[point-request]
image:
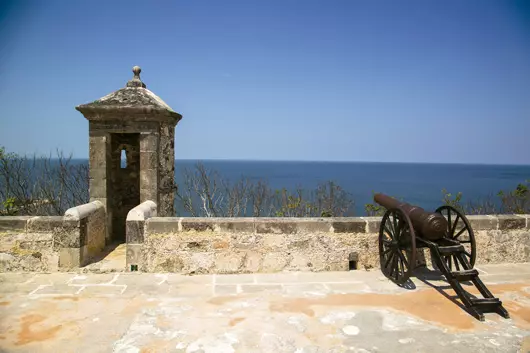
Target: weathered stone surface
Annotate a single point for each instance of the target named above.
(36, 241)
(121, 125)
(13, 223)
(507, 222)
(171, 264)
(70, 257)
(245, 241)
(372, 224)
(482, 222)
(149, 142)
(349, 225)
(44, 224)
(313, 225)
(166, 167)
(276, 226)
(148, 179)
(162, 225)
(275, 261)
(252, 262)
(300, 262)
(134, 256)
(236, 224)
(229, 262)
(134, 101)
(135, 232)
(71, 234)
(198, 225)
(200, 263)
(98, 174)
(4, 257)
(272, 242)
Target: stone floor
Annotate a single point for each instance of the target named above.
(354, 311)
(111, 260)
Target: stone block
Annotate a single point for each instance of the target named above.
(527, 217)
(314, 225)
(237, 224)
(133, 256)
(149, 195)
(252, 262)
(166, 204)
(245, 241)
(162, 225)
(275, 261)
(349, 225)
(173, 264)
(71, 234)
(148, 142)
(97, 152)
(148, 160)
(148, 179)
(97, 187)
(70, 257)
(13, 223)
(507, 222)
(274, 241)
(372, 224)
(196, 246)
(275, 226)
(503, 237)
(337, 266)
(134, 232)
(300, 262)
(198, 224)
(97, 173)
(482, 222)
(200, 262)
(229, 262)
(43, 224)
(37, 241)
(220, 244)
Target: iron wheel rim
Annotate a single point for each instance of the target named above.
(459, 229)
(397, 246)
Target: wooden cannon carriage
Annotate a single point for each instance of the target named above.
(450, 238)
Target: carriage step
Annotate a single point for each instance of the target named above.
(465, 275)
(486, 304)
(451, 249)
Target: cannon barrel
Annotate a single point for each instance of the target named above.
(429, 225)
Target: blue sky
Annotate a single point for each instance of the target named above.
(390, 81)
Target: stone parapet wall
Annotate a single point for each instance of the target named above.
(135, 227)
(27, 244)
(78, 248)
(248, 245)
(46, 244)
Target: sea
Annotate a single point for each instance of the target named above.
(420, 184)
(416, 183)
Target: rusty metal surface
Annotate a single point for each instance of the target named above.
(428, 225)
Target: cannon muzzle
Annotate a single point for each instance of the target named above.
(429, 225)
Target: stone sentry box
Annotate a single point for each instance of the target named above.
(131, 152)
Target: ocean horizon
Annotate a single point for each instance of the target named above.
(413, 182)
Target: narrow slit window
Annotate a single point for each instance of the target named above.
(123, 159)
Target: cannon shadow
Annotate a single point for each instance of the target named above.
(425, 275)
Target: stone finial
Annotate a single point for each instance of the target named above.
(136, 81)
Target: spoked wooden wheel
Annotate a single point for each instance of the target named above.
(397, 246)
(459, 229)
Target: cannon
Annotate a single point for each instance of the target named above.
(448, 235)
